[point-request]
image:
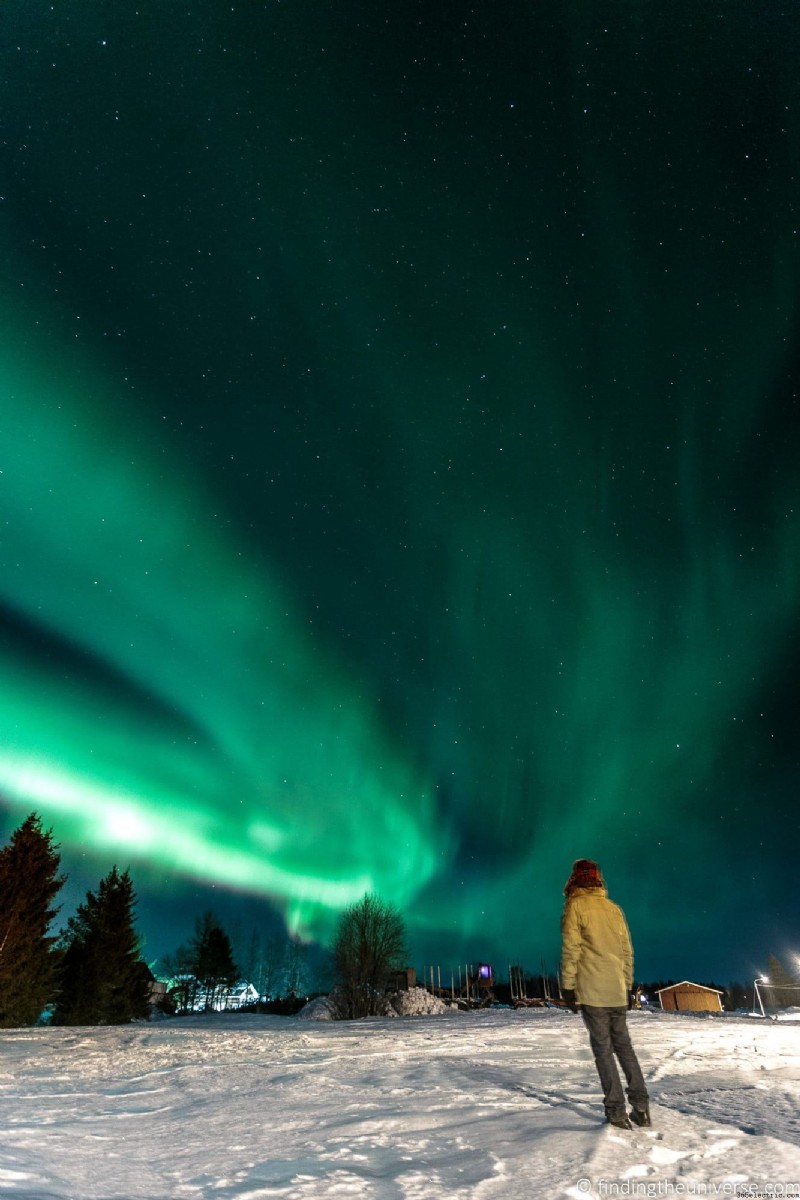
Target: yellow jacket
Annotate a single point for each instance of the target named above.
(596, 951)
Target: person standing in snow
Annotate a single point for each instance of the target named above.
(597, 977)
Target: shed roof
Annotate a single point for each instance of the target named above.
(701, 987)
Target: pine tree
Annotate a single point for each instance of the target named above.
(211, 959)
(104, 978)
(29, 881)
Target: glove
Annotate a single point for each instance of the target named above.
(569, 999)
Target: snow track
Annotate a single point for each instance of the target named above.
(493, 1105)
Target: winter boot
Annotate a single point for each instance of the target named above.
(641, 1116)
(620, 1122)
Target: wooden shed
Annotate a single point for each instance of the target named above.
(690, 997)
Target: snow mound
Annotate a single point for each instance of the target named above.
(318, 1009)
(417, 1002)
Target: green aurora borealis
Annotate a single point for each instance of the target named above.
(399, 451)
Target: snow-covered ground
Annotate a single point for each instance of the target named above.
(491, 1105)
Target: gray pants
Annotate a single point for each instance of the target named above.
(608, 1034)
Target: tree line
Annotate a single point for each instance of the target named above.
(93, 971)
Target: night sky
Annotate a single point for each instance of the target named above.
(399, 475)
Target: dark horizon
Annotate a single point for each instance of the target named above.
(166, 915)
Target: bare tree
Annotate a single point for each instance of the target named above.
(781, 991)
(369, 945)
(273, 957)
(262, 961)
(184, 987)
(295, 966)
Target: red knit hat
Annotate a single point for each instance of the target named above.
(585, 874)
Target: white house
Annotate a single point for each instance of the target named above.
(240, 995)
